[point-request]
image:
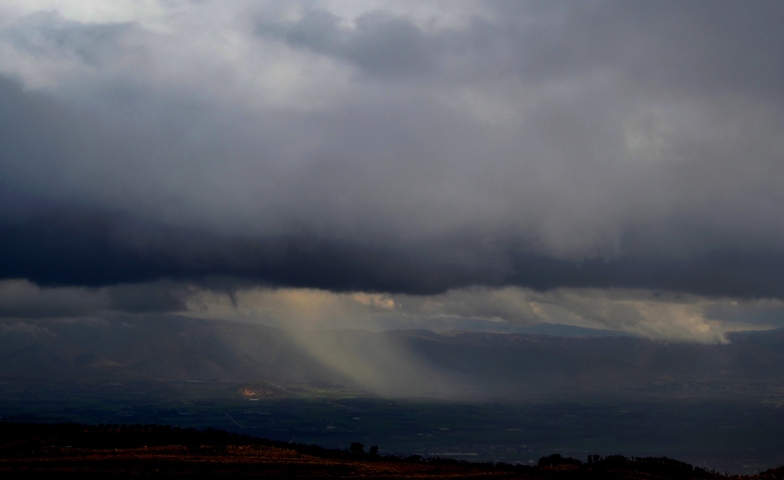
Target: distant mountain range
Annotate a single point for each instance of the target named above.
(466, 365)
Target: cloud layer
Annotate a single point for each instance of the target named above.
(394, 148)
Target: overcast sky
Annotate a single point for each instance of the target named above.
(609, 164)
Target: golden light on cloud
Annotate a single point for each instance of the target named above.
(654, 315)
(374, 299)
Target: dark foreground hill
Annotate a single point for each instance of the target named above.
(81, 451)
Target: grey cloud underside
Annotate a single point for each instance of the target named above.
(402, 184)
(49, 34)
(702, 46)
(75, 248)
(381, 44)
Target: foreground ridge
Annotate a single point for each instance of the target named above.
(90, 451)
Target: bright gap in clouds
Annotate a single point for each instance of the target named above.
(653, 315)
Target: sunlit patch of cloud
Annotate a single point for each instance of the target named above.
(655, 315)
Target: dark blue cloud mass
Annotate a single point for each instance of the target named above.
(540, 145)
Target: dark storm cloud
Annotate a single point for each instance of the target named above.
(595, 145)
(71, 247)
(147, 297)
(20, 299)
